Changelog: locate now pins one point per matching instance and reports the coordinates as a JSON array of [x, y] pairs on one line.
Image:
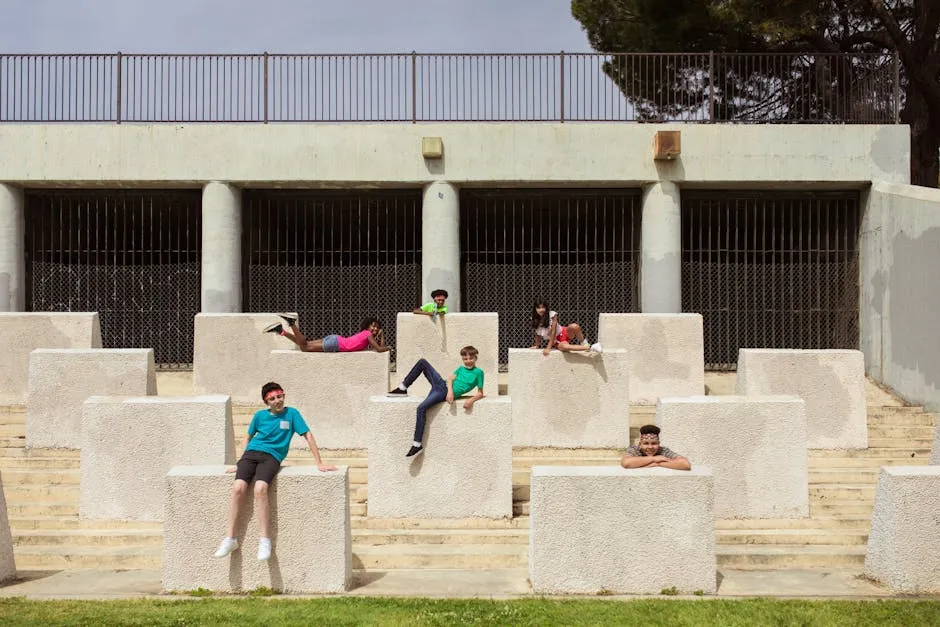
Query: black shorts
[[257, 465]]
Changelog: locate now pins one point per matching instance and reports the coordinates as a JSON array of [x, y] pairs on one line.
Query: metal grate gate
[[771, 270], [333, 256], [576, 249], [133, 256]]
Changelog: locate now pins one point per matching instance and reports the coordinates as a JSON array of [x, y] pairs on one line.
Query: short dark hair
[[469, 350], [367, 322], [649, 430], [269, 387], [437, 293]]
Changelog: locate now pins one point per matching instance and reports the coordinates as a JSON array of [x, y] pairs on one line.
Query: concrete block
[[331, 391], [129, 445], [230, 354], [21, 333], [935, 451], [310, 532], [439, 341], [904, 540], [7, 564], [465, 470], [570, 400], [832, 382], [755, 446], [607, 529], [61, 379], [666, 353]]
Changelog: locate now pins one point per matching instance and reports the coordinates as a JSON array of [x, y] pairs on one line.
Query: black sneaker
[[398, 392], [290, 319], [414, 450], [277, 327]]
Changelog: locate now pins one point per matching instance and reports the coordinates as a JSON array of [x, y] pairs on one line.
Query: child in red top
[[563, 337], [370, 336]]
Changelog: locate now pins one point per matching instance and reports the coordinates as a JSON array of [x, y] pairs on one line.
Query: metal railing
[[643, 87]]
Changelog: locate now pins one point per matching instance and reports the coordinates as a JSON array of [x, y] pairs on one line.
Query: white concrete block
[[7, 563], [230, 354], [667, 353], [465, 470], [832, 382], [439, 341], [935, 451], [331, 391], [755, 445], [61, 379], [21, 333], [611, 530], [130, 444], [570, 400], [309, 522], [904, 540]]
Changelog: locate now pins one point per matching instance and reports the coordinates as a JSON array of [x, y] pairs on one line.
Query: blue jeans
[[436, 396]]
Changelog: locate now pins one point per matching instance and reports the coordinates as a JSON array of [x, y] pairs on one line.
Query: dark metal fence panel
[[134, 256], [58, 88], [576, 249], [333, 256], [771, 270]]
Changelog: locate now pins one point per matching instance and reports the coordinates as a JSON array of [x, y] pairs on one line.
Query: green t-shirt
[[467, 379], [431, 307]]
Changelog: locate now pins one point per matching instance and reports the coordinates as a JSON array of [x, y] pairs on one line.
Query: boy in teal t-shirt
[[465, 378], [434, 308]]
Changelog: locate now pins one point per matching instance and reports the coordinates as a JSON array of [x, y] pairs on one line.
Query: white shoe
[[597, 348], [228, 545], [264, 549]]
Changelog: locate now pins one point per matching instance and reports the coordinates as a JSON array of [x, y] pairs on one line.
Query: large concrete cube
[[832, 382], [7, 565], [129, 445], [465, 470], [21, 333], [904, 540], [331, 391], [439, 341], [935, 452], [570, 400], [608, 530], [230, 354], [309, 527], [667, 353], [755, 446], [60, 380]]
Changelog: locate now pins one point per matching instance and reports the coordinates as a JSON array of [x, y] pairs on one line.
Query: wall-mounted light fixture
[[667, 145], [432, 147]]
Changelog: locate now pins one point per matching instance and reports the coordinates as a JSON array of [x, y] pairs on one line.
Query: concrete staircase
[[42, 493]]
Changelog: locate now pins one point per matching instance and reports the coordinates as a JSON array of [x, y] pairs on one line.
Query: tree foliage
[[816, 80]]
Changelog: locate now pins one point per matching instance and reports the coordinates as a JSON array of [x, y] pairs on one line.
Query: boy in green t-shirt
[[434, 308], [465, 378]]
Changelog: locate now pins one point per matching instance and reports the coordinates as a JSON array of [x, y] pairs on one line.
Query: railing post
[[265, 87], [414, 87], [897, 87], [711, 87], [561, 66], [120, 84]]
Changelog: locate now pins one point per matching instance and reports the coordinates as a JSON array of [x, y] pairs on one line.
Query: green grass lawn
[[371, 611]]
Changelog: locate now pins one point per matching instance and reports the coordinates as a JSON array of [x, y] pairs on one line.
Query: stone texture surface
[[60, 380], [755, 446], [465, 470], [7, 564], [832, 382], [666, 353], [21, 333], [230, 354], [904, 540], [609, 530], [935, 451], [440, 341], [129, 445], [331, 391], [570, 400], [310, 528]]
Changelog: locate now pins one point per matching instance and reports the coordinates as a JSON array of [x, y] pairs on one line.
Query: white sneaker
[[228, 545], [264, 549], [597, 348]]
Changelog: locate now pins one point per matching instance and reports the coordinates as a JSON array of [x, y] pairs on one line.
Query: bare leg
[[239, 490], [568, 347], [263, 508], [307, 346]]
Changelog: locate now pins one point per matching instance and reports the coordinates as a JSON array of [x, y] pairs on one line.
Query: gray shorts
[[331, 344]]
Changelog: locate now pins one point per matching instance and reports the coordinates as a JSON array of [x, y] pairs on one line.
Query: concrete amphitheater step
[[802, 537], [26, 493], [69, 557], [761, 557], [372, 537], [70, 523], [360, 522], [88, 538], [442, 556], [17, 476]]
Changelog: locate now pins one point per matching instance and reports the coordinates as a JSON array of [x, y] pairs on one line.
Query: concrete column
[[221, 248], [440, 242], [661, 265], [12, 253]]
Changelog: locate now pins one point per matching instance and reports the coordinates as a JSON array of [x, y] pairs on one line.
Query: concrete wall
[[900, 252], [935, 452], [21, 333], [756, 447], [7, 564], [60, 380], [310, 528], [440, 341], [331, 391], [832, 382], [230, 354], [570, 400], [667, 353], [129, 445], [606, 529], [904, 540], [465, 470]]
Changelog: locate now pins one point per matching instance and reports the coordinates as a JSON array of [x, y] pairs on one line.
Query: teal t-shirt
[[432, 306], [467, 379], [272, 433]]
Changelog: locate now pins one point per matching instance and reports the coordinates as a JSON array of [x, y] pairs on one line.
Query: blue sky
[[288, 26]]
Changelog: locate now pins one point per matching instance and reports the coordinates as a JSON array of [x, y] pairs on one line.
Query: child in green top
[[434, 308]]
